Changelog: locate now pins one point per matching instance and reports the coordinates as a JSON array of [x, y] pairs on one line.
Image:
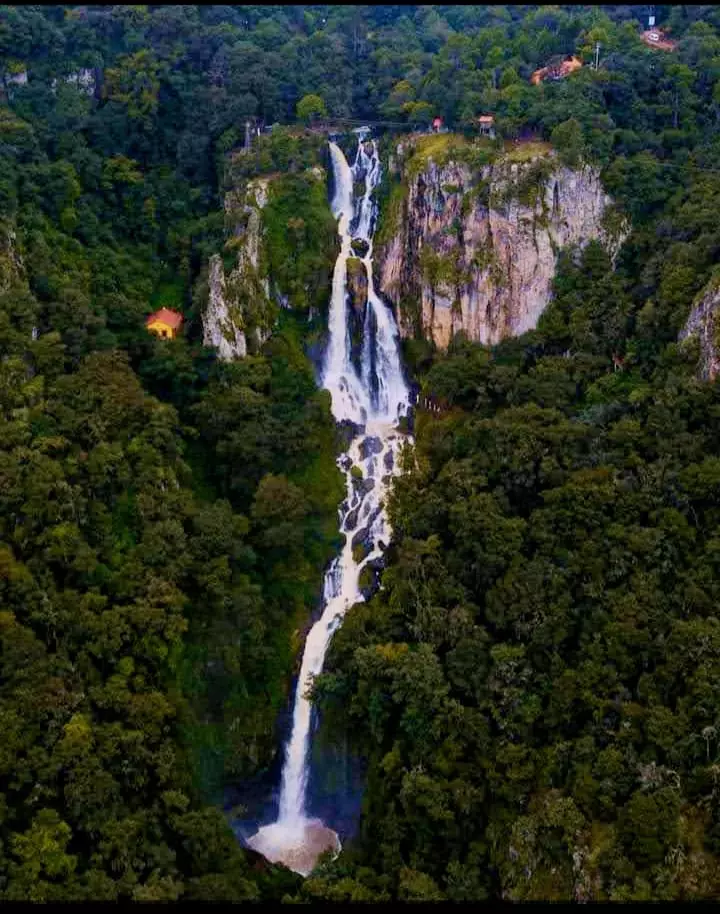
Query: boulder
[[373, 515], [363, 486], [369, 581], [352, 519], [370, 446], [361, 550], [362, 538]]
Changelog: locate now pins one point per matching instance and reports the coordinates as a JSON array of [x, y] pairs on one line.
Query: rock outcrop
[[222, 319], [703, 326], [12, 268], [239, 312], [357, 284], [475, 249], [279, 253], [86, 79]]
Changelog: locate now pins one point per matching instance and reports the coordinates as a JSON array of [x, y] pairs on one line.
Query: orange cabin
[[486, 123], [165, 323]]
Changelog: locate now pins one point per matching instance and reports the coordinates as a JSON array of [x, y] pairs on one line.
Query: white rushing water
[[373, 399]]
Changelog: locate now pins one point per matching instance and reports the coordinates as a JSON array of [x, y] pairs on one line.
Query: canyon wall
[[473, 248]]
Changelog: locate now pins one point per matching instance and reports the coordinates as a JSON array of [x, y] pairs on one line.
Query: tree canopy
[[534, 686]]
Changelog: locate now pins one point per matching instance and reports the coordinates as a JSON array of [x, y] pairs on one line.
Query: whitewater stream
[[373, 399]]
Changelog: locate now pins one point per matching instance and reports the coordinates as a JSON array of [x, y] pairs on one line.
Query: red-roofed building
[[486, 122], [437, 124], [165, 323]]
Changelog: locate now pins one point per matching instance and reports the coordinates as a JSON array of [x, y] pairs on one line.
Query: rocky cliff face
[[279, 253], [222, 319], [238, 308], [475, 249], [703, 326], [12, 269]]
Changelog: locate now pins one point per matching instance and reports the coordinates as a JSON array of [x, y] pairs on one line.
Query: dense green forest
[[534, 689], [535, 686]]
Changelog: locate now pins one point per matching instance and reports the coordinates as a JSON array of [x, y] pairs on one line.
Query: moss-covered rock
[[369, 580], [300, 241], [360, 551]]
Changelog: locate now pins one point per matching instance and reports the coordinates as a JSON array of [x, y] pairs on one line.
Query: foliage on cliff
[[297, 235], [300, 240]]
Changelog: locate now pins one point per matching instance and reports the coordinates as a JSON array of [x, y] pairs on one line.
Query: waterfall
[[373, 400]]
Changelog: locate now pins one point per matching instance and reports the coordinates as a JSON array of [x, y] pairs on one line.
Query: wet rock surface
[[373, 515], [352, 519], [363, 486], [370, 577], [362, 538], [357, 284], [369, 447]]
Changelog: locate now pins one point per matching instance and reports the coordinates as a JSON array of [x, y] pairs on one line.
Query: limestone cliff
[[239, 310], [473, 248], [703, 327], [279, 253], [222, 318]]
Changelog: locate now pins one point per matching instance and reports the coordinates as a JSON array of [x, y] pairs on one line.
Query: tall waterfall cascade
[[373, 399]]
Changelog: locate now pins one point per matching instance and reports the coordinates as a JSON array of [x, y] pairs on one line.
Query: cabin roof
[[486, 119], [165, 316]]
